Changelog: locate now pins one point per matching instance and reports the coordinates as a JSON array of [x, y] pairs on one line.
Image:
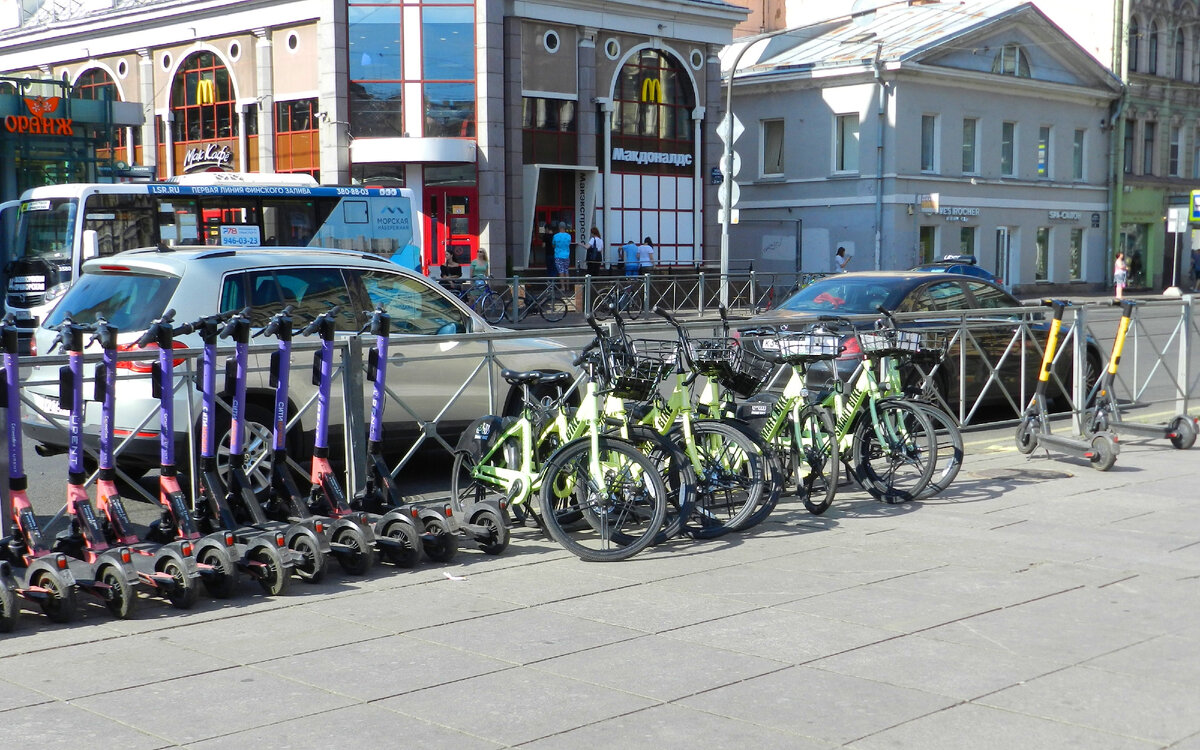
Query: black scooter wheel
[[121, 598], [405, 551], [274, 577], [8, 608], [221, 582], [439, 543], [186, 592], [59, 604], [1026, 437], [1104, 452], [1184, 430], [495, 539], [360, 556], [314, 565]]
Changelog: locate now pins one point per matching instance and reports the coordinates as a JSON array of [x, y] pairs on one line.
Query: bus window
[[122, 221], [46, 229], [290, 222]]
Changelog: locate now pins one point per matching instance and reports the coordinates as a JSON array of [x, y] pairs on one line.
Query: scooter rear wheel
[[1185, 433], [186, 591], [315, 565], [59, 604], [122, 598], [275, 578], [497, 540], [439, 543], [406, 553], [222, 582], [362, 555], [1104, 452], [8, 608], [1026, 436]]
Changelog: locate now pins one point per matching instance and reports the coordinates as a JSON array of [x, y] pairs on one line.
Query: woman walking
[[1120, 274]]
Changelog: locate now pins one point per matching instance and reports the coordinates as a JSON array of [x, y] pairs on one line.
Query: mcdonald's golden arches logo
[[206, 91], [652, 90]]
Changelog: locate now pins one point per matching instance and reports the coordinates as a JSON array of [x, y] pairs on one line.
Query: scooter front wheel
[[1026, 436], [440, 544], [59, 604], [186, 592], [496, 539], [221, 581], [1104, 452], [404, 546], [359, 556], [8, 608], [274, 576], [121, 598], [314, 565], [1184, 431]]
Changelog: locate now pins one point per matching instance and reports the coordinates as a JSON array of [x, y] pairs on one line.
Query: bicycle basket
[[933, 347], [889, 342], [808, 347], [638, 372], [729, 364]]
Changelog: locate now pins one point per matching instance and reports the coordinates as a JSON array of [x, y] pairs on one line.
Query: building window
[[1135, 34], [966, 240], [1174, 168], [1008, 150], [654, 101], [297, 141], [1179, 54], [448, 71], [1041, 270], [1152, 49], [970, 146], [549, 131], [845, 145], [1129, 141], [98, 84], [1075, 263], [1077, 154], [927, 244], [551, 41], [374, 52], [202, 101], [1148, 148], [928, 143], [1011, 60], [772, 148], [1044, 151]]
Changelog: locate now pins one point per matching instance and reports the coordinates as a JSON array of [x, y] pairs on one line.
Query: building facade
[[505, 118], [914, 131]]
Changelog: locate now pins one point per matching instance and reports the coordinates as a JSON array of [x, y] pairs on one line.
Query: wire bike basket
[[733, 367], [637, 373], [890, 342], [807, 347]]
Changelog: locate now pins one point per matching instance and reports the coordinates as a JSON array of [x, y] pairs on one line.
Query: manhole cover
[[1022, 475]]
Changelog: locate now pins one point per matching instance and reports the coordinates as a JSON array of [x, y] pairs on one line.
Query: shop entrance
[[545, 223], [452, 227]]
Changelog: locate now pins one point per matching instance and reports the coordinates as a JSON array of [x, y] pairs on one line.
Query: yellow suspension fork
[[1051, 341], [1114, 359]]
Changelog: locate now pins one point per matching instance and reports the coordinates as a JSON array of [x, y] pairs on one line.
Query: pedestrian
[[629, 254], [562, 250], [1196, 270], [548, 249], [840, 259], [1120, 274], [479, 266], [595, 253], [645, 256]]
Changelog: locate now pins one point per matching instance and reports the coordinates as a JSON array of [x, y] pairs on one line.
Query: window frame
[[1079, 155], [1008, 148], [840, 151], [971, 148], [764, 125], [929, 144], [1045, 152], [1149, 146]]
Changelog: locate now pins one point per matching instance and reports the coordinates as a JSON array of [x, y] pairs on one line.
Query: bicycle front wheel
[[553, 308], [732, 477], [950, 449], [815, 445], [633, 304], [622, 507], [894, 454], [491, 307]]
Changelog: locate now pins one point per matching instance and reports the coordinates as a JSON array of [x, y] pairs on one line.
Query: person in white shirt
[[645, 256], [840, 259]]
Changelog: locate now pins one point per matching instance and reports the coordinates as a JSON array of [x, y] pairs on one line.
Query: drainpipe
[[881, 106]]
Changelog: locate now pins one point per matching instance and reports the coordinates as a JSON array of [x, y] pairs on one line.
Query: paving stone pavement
[[1037, 604]]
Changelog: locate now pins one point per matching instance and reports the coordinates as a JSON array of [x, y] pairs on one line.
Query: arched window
[[1135, 32], [654, 98], [98, 84], [1152, 50], [1011, 60], [202, 101], [1179, 54]]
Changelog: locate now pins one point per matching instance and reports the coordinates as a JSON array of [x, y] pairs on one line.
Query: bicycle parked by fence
[[625, 299]]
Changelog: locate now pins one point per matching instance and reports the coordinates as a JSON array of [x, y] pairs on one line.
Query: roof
[[178, 259], [898, 31]]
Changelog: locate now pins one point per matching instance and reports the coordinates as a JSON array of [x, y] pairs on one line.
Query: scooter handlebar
[[315, 325], [241, 317], [280, 321]]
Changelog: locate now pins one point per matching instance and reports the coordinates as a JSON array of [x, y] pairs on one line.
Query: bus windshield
[[46, 229]]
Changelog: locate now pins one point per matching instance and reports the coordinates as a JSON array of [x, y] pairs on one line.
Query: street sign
[[1177, 219], [1195, 205], [735, 192], [715, 177], [723, 129], [733, 219], [737, 164]]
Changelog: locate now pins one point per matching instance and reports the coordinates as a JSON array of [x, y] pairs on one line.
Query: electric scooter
[[350, 538], [169, 569], [394, 535], [1099, 448], [381, 495], [1106, 414], [101, 570], [306, 538], [216, 552], [260, 550]]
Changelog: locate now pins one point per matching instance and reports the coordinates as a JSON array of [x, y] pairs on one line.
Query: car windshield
[[45, 229], [129, 301], [847, 295]]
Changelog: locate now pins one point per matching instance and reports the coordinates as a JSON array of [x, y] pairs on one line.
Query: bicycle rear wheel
[[600, 306], [677, 474], [633, 304], [895, 455], [949, 449], [623, 508], [553, 308], [816, 448], [732, 475], [491, 307]]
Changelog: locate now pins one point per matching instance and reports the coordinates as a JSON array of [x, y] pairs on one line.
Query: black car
[[991, 332]]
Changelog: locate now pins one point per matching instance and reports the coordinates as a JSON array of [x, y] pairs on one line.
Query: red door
[[451, 227]]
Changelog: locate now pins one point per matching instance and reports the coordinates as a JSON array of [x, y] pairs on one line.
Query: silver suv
[[133, 288]]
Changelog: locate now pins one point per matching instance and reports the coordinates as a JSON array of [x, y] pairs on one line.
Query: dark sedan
[[991, 332]]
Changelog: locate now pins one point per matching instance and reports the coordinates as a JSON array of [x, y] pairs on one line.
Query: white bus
[[60, 226]]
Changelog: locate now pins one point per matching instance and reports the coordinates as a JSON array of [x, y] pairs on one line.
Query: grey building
[[912, 131]]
